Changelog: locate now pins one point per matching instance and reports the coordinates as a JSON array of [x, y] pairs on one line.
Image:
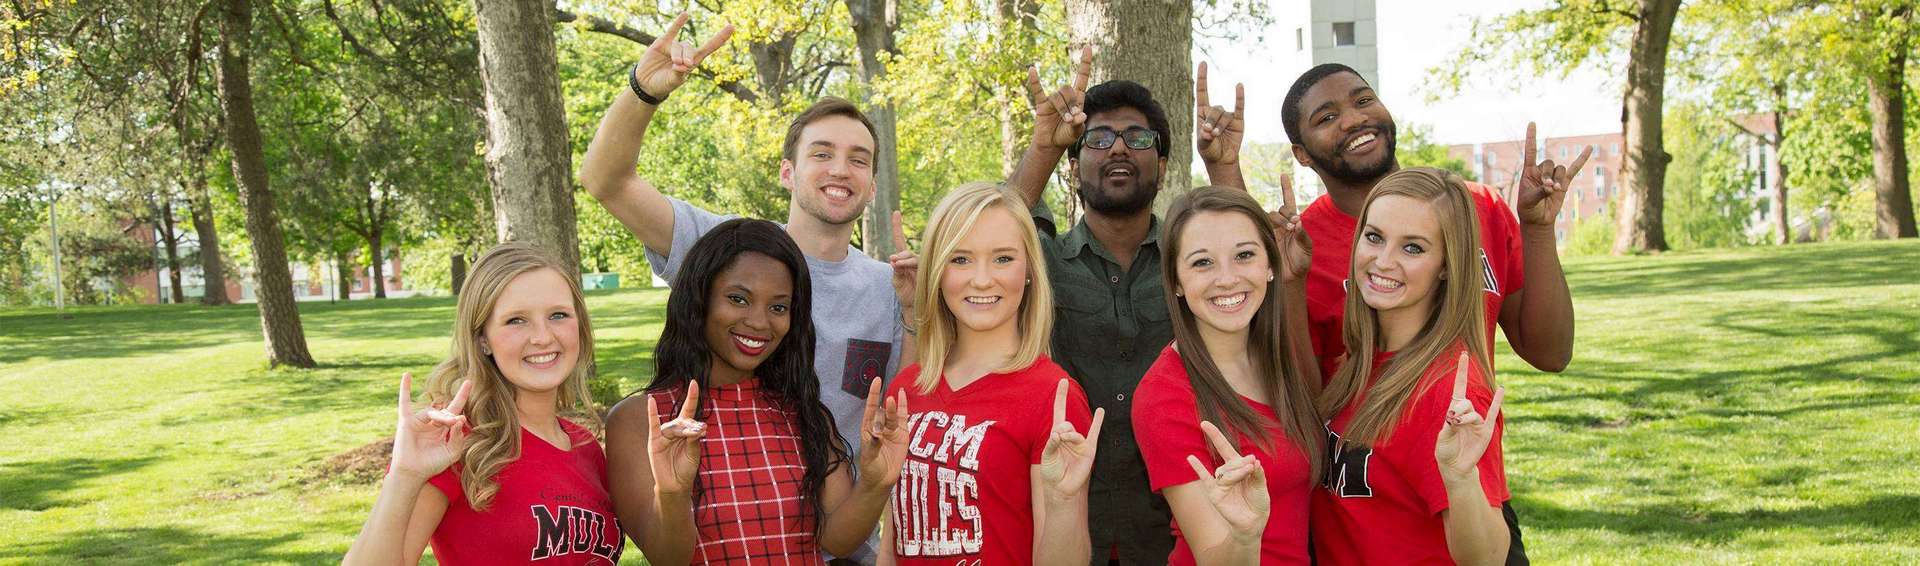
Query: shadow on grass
[[1823, 266], [165, 545], [115, 332], [38, 485], [1890, 515]]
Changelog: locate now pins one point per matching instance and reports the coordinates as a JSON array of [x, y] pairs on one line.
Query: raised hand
[[1067, 460], [1464, 436], [1296, 249], [906, 265], [1059, 118], [425, 442], [883, 437], [1218, 132], [673, 449], [665, 64], [1543, 185], [1238, 489]]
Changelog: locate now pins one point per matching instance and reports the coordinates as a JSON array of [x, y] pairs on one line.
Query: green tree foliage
[[1417, 149], [1711, 198]]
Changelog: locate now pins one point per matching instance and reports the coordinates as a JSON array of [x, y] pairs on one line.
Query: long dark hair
[[1282, 384], [683, 356]]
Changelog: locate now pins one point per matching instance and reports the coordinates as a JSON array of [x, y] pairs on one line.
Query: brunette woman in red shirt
[[1416, 475], [1238, 381]]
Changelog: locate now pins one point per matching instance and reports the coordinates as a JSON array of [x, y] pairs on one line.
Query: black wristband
[[633, 82]]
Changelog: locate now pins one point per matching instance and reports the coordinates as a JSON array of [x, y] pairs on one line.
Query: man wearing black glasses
[[1111, 318]]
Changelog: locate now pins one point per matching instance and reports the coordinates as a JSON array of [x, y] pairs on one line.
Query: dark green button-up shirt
[[1109, 326]]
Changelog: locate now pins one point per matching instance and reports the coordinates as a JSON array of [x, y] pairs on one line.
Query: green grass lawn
[[1751, 406]]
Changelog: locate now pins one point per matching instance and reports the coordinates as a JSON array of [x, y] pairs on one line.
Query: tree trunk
[[343, 276], [1013, 18], [213, 271], [1886, 100], [279, 314], [529, 154], [1644, 172], [377, 258], [458, 265], [170, 235], [1149, 42], [873, 25], [1782, 224]]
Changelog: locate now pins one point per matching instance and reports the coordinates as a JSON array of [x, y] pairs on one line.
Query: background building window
[[1343, 33]]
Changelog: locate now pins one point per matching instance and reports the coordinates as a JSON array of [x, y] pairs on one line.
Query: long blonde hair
[[934, 323], [495, 440], [1282, 385], [1458, 317]]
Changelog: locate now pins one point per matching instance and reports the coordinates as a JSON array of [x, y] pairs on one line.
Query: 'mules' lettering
[[936, 503], [573, 530]]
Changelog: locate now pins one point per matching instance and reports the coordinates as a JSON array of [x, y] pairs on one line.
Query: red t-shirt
[[1166, 424], [965, 495], [1382, 505], [552, 508], [1333, 234]]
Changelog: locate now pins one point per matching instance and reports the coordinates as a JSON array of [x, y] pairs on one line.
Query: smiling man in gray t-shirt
[[827, 167]]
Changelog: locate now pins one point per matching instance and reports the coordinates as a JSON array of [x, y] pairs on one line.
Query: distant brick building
[[1498, 164], [310, 282]]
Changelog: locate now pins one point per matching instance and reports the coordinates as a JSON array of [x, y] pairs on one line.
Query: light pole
[[53, 225]]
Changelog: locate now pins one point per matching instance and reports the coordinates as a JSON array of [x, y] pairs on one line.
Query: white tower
[[1326, 31]]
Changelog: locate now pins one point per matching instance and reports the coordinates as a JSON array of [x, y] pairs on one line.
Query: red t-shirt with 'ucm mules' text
[[965, 495], [552, 508], [1381, 504]]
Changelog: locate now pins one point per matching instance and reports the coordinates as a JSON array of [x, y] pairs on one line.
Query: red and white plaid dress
[[752, 508]]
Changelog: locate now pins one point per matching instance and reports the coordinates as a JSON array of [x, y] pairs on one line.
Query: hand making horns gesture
[[883, 436], [1238, 489], [673, 449], [1543, 185], [1465, 435], [1296, 249], [1067, 460], [906, 265], [426, 442], [665, 64], [1060, 118], [1217, 132]]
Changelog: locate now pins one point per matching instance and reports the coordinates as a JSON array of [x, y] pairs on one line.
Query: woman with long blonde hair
[[995, 473], [512, 481], [1416, 475]]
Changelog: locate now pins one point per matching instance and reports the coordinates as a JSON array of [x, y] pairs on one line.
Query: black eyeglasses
[[1135, 138]]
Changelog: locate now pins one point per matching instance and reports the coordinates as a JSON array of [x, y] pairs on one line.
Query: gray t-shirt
[[856, 322]]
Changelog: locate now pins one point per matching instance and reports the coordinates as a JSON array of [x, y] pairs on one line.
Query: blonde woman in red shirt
[[997, 465]]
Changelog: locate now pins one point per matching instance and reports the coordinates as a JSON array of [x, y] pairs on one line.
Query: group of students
[[1224, 386]]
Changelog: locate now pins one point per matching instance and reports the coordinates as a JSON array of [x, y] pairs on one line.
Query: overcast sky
[[1416, 35]]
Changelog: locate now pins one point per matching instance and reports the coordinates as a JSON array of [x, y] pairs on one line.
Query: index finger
[[406, 394], [459, 403], [1460, 378], [692, 400], [1221, 445], [1060, 402], [1527, 153], [1578, 163], [1200, 98], [1286, 194], [1084, 72], [673, 31], [713, 44], [899, 234], [1239, 98]]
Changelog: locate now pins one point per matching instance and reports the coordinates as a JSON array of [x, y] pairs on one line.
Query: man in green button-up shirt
[[1111, 305]]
